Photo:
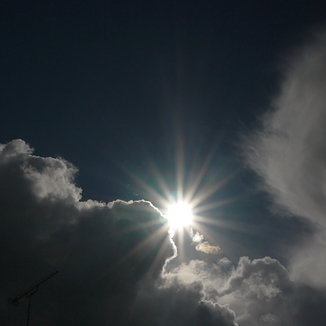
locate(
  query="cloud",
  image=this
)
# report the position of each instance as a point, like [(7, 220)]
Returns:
[(204, 245), (176, 304), (289, 153), (207, 248), (101, 250), (111, 257), (256, 292)]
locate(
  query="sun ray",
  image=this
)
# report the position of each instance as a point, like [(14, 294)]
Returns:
[(162, 184), (209, 190), (181, 242), (220, 203), (160, 233), (180, 157), (150, 190), (161, 253), (195, 184)]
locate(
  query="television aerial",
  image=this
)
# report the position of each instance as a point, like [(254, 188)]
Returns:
[(29, 293)]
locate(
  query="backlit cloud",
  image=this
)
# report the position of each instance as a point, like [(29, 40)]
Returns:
[(204, 245), (109, 256), (101, 250)]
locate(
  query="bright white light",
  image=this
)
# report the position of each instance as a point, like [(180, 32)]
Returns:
[(179, 215)]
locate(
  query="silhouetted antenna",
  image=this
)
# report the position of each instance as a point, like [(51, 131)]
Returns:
[(29, 293)]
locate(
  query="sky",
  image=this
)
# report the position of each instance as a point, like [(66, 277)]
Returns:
[(113, 111)]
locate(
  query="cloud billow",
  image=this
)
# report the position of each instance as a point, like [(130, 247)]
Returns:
[(109, 256), (257, 292), (99, 249)]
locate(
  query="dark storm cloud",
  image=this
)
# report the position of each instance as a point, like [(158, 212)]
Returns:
[(176, 304), (289, 153), (100, 250), (109, 256)]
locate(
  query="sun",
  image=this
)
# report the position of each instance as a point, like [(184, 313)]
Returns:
[(179, 215)]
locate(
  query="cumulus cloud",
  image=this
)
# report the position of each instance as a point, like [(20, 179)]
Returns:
[(255, 292), (289, 152), (101, 250), (110, 257), (179, 305)]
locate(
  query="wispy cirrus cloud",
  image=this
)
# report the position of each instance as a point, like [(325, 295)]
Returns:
[(289, 153)]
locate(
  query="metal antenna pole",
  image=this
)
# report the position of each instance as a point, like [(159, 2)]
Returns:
[(29, 296), (29, 293), (29, 309)]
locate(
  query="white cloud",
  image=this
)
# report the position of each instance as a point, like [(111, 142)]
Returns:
[(289, 153), (204, 245), (257, 293)]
